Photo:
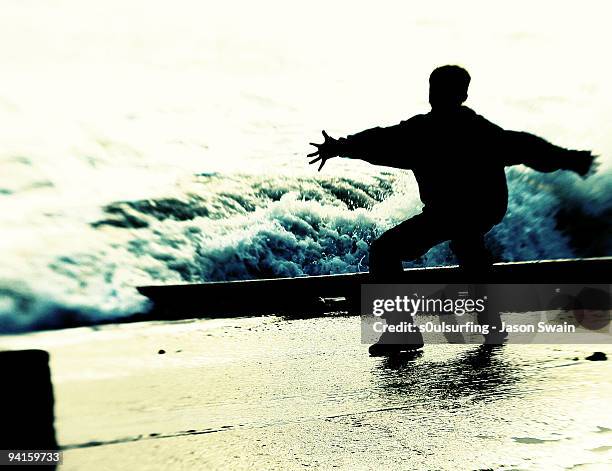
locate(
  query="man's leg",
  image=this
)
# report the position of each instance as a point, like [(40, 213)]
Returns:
[(472, 253), (475, 259), (406, 241)]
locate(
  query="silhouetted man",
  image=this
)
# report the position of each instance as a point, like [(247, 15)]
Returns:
[(458, 159)]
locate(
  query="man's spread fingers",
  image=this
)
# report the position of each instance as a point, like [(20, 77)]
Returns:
[(321, 166), (316, 152), (314, 160)]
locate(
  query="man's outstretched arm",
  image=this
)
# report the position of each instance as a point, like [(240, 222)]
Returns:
[(541, 155), (378, 146)]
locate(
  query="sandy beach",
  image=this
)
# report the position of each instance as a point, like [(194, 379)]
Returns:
[(270, 393)]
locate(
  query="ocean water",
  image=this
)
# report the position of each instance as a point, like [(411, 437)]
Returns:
[(150, 144)]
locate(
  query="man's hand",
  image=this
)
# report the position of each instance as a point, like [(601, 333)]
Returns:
[(584, 163), (325, 151)]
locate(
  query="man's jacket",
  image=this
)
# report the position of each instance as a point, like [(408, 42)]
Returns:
[(458, 159)]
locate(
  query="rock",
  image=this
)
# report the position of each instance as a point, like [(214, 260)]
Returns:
[(161, 352), (597, 356)]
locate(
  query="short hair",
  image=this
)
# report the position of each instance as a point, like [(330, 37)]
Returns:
[(453, 78)]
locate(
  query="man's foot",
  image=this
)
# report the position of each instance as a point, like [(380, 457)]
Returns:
[(496, 337), (385, 349)]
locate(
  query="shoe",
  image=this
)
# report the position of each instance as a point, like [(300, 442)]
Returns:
[(496, 338), (385, 349)]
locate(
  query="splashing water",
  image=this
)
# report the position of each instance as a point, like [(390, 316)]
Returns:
[(227, 227)]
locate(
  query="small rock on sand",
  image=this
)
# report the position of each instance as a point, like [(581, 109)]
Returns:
[(597, 356)]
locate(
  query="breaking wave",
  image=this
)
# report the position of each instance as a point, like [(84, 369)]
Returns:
[(230, 227)]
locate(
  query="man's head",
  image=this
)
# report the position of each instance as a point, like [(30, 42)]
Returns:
[(448, 86)]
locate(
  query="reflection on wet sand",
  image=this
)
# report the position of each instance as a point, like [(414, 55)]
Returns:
[(482, 374)]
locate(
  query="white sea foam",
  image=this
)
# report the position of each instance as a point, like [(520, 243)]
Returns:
[(243, 227)]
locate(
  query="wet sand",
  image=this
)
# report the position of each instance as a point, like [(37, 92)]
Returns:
[(268, 393)]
